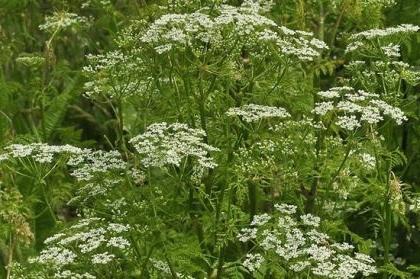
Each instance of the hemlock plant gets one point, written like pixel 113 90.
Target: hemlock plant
pixel 209 139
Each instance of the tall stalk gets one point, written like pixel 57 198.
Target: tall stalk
pixel 252 193
pixel 312 193
pixel 48 52
pixel 11 250
pixel 387 215
pixel 121 138
pixel 319 145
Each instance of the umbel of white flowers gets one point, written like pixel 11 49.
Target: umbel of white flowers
pixel 86 163
pixel 91 241
pixel 298 245
pixel 253 113
pixel 164 268
pixel 113 74
pixel 61 20
pixel 382 3
pixel 362 39
pixel 353 108
pixel 221 30
pixel 168 144
pixel 229 25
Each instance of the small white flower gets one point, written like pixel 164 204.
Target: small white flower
pixel 310 220
pixel 253 262
pixel 300 266
pixel 259 220
pixel 357 41
pixel 368 161
pixel 343 246
pixel 348 122
pixel 391 50
pixel 102 258
pixel 247 234
pixel 118 242
pixel 323 108
pixel 168 144
pixel 61 20
pixel 163 48
pixel 118 228
pixel 56 256
pixel 285 208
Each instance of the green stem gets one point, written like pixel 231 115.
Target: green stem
pixel 10 257
pixel 121 127
pixel 220 263
pixel 311 194
pixel 340 168
pixel 252 192
pixel 321 31
pixel 195 222
pixel 337 24
pixel 387 229
pixel 45 77
pixel 50 209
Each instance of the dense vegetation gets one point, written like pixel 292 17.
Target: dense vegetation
pixel 209 139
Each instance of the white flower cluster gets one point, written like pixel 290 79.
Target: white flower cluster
pixel 381 3
pixel 359 40
pixel 253 113
pixel 62 20
pixel 257 159
pixel 253 262
pixel 390 31
pixel 96 3
pixel 90 240
pixel 102 258
pixel 30 60
pixel 68 274
pixel 415 204
pixel 94 190
pixel 245 20
pixel 86 163
pixel 391 50
pixel 366 4
pixel 92 163
pixel 299 246
pixel 302 44
pixel 368 161
pixel 233 26
pixel 259 220
pixel 164 268
pixel 178 30
pixel 168 144
pixel 114 74
pixel 40 152
pixel 389 73
pixel 353 108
